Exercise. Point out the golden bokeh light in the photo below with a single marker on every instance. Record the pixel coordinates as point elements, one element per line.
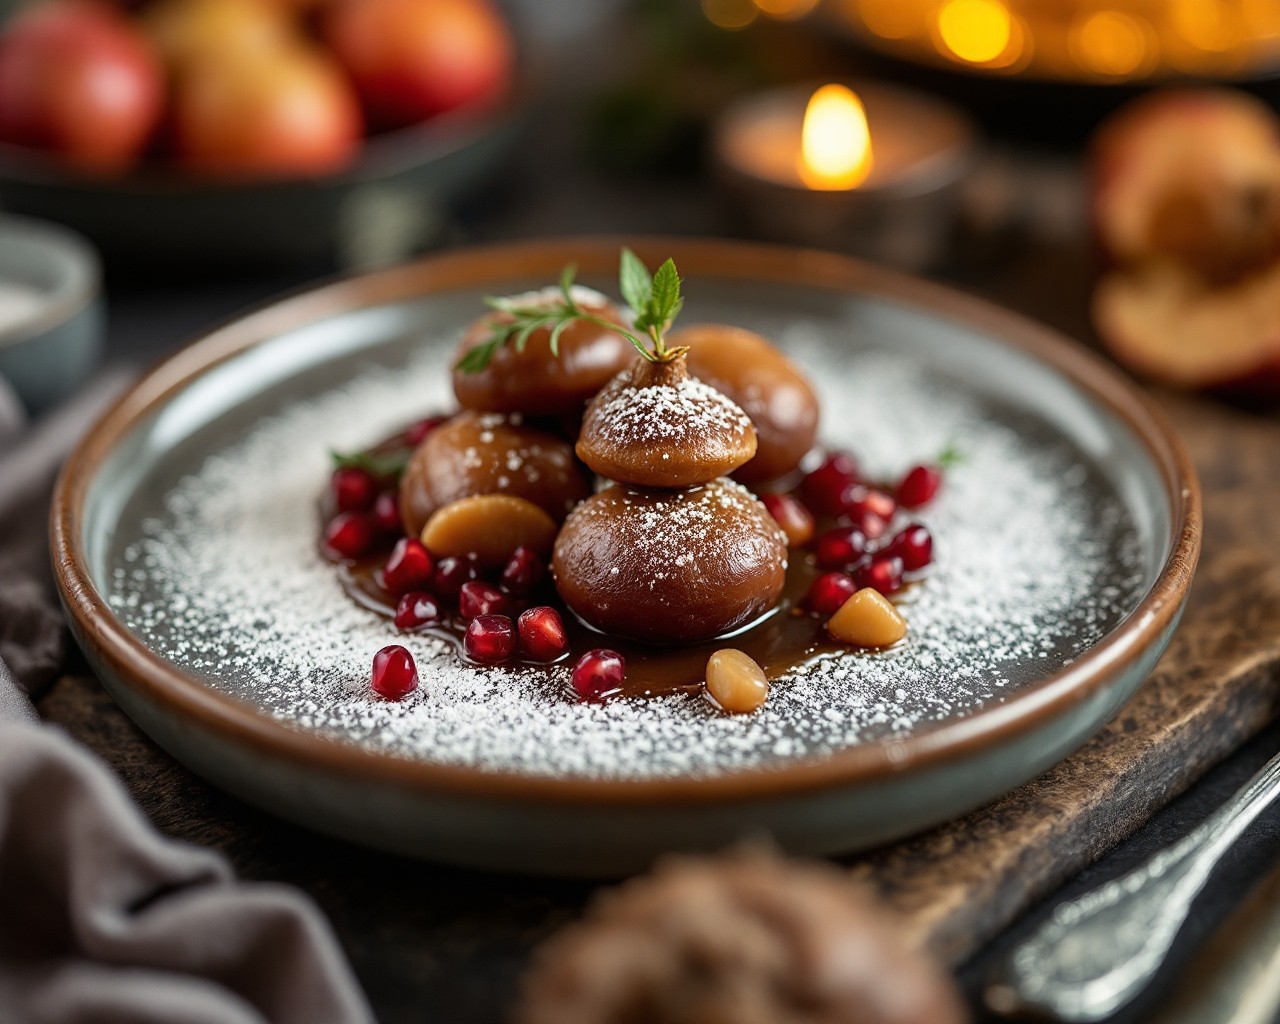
<point>730,14</point>
<point>976,31</point>
<point>1205,25</point>
<point>1113,44</point>
<point>835,143</point>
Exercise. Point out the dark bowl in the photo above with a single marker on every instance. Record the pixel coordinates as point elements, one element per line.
<point>392,201</point>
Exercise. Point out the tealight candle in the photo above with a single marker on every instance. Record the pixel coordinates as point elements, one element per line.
<point>867,168</point>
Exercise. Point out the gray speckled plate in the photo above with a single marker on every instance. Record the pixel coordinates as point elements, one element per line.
<point>1065,544</point>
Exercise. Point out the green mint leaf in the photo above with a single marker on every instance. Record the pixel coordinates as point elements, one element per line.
<point>382,465</point>
<point>635,283</point>
<point>665,296</point>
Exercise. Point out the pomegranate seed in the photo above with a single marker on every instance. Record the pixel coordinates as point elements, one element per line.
<point>542,635</point>
<point>416,610</point>
<point>829,592</point>
<point>598,674</point>
<point>409,567</point>
<point>870,525</point>
<point>822,488</point>
<point>349,534</point>
<point>859,500</point>
<point>523,571</point>
<point>490,639</point>
<point>417,433</point>
<point>796,520</point>
<point>386,513</point>
<point>840,548</point>
<point>476,598</point>
<point>394,673</point>
<point>914,546</point>
<point>451,572</point>
<point>882,573</point>
<point>353,489</point>
<point>919,486</point>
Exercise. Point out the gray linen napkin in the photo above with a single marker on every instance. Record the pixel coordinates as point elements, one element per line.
<point>101,919</point>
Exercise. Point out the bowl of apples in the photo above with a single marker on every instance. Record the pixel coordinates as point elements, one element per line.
<point>198,135</point>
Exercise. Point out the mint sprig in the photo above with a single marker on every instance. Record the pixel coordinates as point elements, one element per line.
<point>654,300</point>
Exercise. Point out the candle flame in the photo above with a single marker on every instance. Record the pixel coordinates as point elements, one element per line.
<point>835,146</point>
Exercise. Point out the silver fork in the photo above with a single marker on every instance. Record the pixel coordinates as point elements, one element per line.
<point>1097,952</point>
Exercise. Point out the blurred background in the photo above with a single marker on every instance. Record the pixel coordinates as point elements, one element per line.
<point>1111,167</point>
<point>214,152</point>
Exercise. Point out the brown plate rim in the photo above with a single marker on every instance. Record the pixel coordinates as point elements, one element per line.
<point>240,723</point>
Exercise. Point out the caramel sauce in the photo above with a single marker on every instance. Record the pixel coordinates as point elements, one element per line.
<point>780,641</point>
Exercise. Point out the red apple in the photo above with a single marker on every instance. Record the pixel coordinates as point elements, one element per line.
<point>78,80</point>
<point>411,59</point>
<point>1186,209</point>
<point>266,114</point>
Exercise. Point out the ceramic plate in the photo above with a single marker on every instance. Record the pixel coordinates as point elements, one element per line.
<point>1066,538</point>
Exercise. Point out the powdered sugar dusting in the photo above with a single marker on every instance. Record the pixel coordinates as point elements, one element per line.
<point>1036,561</point>
<point>665,413</point>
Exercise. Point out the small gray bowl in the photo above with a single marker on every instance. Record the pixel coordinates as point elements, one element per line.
<point>47,354</point>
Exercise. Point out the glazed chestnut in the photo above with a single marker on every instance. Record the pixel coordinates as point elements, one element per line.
<point>766,384</point>
<point>655,426</point>
<point>670,567</point>
<point>488,453</point>
<point>532,380</point>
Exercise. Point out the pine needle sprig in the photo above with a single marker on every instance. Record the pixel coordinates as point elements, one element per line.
<point>654,300</point>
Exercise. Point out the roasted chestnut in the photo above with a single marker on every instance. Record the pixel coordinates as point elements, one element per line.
<point>489,453</point>
<point>766,384</point>
<point>655,426</point>
<point>531,380</point>
<point>670,567</point>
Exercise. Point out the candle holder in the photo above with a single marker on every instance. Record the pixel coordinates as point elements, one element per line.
<point>903,210</point>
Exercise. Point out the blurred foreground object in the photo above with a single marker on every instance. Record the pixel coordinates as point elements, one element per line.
<point>747,938</point>
<point>1186,209</point>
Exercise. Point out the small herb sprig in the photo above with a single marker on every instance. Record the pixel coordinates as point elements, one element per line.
<point>950,457</point>
<point>379,465</point>
<point>655,302</point>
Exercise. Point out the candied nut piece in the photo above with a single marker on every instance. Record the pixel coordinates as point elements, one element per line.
<point>532,380</point>
<point>735,683</point>
<point>670,567</point>
<point>489,526</point>
<point>488,453</point>
<point>868,619</point>
<point>766,384</point>
<point>746,938</point>
<point>655,426</point>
